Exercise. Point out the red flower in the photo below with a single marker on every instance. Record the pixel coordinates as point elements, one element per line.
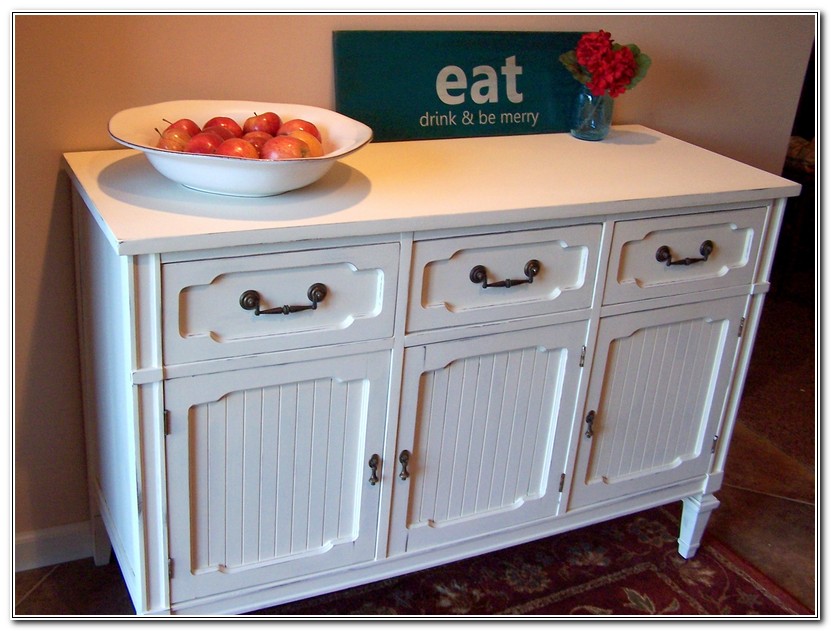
<point>605,67</point>
<point>593,48</point>
<point>613,72</point>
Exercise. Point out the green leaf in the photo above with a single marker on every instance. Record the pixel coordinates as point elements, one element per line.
<point>569,60</point>
<point>643,61</point>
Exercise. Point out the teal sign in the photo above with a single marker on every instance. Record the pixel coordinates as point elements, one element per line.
<point>446,84</point>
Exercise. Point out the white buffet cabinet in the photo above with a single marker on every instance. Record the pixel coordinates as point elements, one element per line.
<point>505,338</point>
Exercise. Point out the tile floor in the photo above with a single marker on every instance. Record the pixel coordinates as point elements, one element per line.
<point>768,511</point>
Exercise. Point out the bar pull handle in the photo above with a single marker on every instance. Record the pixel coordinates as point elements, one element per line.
<point>479,276</point>
<point>663,255</point>
<point>250,301</point>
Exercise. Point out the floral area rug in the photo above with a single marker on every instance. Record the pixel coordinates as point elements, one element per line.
<point>626,567</point>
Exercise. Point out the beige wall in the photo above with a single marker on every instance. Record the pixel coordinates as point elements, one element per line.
<point>729,83</point>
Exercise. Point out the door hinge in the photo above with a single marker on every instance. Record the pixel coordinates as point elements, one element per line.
<point>583,356</point>
<point>166,421</point>
<point>713,447</point>
<point>562,482</point>
<point>741,326</point>
<point>169,568</point>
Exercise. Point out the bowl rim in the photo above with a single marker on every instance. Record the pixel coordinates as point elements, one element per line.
<point>363,131</point>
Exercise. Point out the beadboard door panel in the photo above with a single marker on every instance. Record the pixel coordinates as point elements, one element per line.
<point>656,397</point>
<point>268,471</point>
<point>487,423</point>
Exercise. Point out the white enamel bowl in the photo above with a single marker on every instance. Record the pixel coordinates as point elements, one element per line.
<point>136,128</point>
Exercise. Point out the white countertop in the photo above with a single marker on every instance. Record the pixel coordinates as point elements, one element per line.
<point>420,185</point>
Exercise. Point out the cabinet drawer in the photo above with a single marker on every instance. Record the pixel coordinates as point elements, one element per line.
<point>210,309</point>
<point>447,291</point>
<point>667,256</point>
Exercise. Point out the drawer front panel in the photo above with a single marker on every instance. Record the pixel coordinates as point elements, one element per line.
<point>668,256</point>
<point>561,263</point>
<point>209,315</point>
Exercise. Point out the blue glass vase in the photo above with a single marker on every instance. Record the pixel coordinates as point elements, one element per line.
<point>592,116</point>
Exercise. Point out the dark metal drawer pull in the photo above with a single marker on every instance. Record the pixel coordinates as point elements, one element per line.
<point>479,275</point>
<point>250,301</point>
<point>663,255</point>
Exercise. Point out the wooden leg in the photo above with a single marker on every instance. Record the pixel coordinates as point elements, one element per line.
<point>101,547</point>
<point>694,519</point>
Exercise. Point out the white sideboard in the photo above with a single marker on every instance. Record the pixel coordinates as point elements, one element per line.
<point>440,349</point>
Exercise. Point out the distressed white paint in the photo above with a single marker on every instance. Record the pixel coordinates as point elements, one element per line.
<point>237,446</point>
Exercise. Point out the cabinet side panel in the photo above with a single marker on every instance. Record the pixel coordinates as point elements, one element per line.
<point>109,405</point>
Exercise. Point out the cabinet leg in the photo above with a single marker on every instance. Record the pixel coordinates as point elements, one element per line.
<point>101,547</point>
<point>694,519</point>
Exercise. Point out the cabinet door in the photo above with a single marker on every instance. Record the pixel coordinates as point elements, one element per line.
<point>486,423</point>
<point>268,474</point>
<point>656,395</point>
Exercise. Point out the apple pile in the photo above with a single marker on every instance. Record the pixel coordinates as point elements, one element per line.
<point>260,137</point>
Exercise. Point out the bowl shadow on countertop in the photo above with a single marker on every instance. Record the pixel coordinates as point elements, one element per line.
<point>133,180</point>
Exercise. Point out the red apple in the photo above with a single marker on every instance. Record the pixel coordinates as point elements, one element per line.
<point>257,138</point>
<point>284,148</point>
<point>204,142</point>
<point>268,122</point>
<point>224,121</point>
<point>237,148</point>
<point>171,144</point>
<point>172,139</point>
<point>298,123</point>
<point>221,131</point>
<point>275,120</point>
<point>184,123</point>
